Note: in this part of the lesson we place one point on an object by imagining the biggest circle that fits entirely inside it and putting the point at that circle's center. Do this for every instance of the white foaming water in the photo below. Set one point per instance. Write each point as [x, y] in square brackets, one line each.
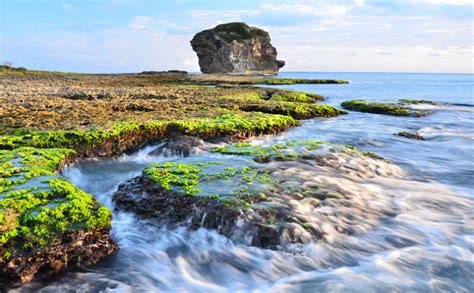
[413, 230]
[426, 245]
[408, 236]
[440, 131]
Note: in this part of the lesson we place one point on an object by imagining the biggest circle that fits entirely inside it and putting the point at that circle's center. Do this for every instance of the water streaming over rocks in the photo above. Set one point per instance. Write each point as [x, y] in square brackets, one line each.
[412, 224]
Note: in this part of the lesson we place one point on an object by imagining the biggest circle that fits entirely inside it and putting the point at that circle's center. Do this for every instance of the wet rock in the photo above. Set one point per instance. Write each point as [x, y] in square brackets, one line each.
[412, 135]
[69, 250]
[182, 146]
[236, 48]
[394, 109]
[174, 71]
[270, 204]
[46, 223]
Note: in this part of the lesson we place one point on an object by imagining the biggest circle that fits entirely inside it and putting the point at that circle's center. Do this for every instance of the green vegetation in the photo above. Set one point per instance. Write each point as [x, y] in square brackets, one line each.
[289, 81]
[416, 102]
[216, 79]
[4, 69]
[36, 205]
[299, 97]
[225, 125]
[294, 110]
[8, 70]
[239, 31]
[241, 184]
[279, 103]
[381, 108]
[290, 150]
[232, 182]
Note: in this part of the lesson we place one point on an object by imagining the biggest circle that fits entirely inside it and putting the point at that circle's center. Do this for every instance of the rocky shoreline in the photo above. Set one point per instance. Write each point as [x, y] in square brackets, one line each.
[47, 120]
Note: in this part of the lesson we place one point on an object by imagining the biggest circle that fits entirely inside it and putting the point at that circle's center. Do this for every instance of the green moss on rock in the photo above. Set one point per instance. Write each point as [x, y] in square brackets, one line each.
[411, 135]
[125, 135]
[290, 150]
[239, 31]
[382, 108]
[223, 181]
[299, 97]
[36, 204]
[416, 102]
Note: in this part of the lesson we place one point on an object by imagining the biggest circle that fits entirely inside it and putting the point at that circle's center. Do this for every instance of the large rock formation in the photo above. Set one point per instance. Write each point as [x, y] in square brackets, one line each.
[236, 48]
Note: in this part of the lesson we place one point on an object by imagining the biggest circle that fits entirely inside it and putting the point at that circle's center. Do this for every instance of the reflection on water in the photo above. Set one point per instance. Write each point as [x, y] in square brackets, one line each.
[424, 242]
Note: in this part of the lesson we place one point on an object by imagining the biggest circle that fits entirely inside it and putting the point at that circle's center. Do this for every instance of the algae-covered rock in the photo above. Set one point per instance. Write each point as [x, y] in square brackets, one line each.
[395, 109]
[411, 135]
[417, 102]
[236, 48]
[264, 196]
[46, 223]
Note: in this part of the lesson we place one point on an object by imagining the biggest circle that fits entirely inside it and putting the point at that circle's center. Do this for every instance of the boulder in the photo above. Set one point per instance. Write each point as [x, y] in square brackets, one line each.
[183, 146]
[236, 48]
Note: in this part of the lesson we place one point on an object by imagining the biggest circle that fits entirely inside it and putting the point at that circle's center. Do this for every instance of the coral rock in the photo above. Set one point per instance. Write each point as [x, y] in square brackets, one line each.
[236, 48]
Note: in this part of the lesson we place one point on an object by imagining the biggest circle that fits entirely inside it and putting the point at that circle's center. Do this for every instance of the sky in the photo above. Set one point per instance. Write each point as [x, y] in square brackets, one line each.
[339, 35]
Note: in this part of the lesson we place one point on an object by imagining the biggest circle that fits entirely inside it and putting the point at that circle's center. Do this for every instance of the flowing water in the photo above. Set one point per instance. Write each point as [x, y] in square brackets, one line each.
[427, 244]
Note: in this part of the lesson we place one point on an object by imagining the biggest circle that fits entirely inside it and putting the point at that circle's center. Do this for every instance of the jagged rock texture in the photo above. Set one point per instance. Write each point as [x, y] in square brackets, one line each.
[236, 48]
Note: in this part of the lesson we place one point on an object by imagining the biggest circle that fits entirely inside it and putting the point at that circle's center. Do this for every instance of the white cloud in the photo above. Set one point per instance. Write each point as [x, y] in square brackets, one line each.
[326, 10]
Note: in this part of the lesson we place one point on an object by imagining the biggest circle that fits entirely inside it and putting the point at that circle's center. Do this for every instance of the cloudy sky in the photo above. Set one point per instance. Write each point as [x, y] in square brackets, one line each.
[324, 35]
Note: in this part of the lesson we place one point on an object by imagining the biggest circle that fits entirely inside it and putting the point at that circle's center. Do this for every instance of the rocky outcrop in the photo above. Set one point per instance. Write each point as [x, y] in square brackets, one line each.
[46, 223]
[263, 196]
[236, 48]
[70, 250]
[182, 146]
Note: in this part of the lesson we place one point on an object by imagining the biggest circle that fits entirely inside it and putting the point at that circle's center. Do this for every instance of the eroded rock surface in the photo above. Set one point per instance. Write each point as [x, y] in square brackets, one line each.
[299, 192]
[236, 48]
[46, 223]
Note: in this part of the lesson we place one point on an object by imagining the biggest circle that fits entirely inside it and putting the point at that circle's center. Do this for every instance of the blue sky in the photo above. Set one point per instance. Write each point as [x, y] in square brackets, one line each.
[136, 35]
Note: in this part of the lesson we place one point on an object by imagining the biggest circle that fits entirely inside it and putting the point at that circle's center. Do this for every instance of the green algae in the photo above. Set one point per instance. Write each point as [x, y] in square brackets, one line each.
[290, 150]
[294, 109]
[411, 135]
[299, 97]
[297, 105]
[381, 108]
[225, 125]
[203, 179]
[416, 102]
[33, 216]
[216, 79]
